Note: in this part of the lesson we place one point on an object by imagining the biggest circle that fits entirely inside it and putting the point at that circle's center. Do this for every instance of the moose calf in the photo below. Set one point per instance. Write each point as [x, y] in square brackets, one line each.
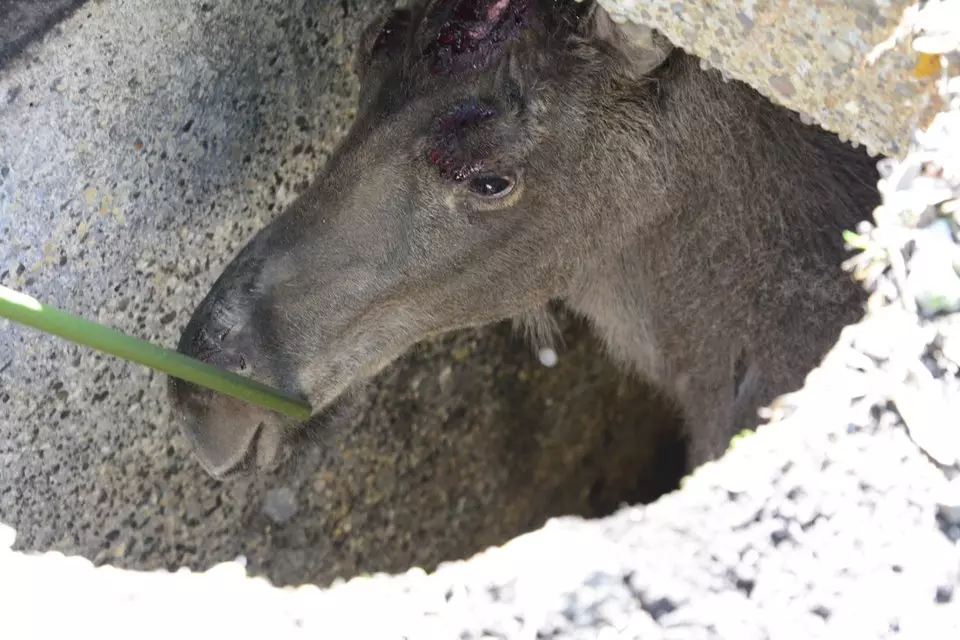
[511, 153]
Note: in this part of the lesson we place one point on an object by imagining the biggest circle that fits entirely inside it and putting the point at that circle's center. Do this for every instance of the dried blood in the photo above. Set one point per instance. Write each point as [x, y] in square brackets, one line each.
[447, 153]
[473, 33]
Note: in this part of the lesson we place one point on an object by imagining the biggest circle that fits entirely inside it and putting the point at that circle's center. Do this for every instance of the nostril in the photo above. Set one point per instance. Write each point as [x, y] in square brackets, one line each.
[222, 347]
[241, 360]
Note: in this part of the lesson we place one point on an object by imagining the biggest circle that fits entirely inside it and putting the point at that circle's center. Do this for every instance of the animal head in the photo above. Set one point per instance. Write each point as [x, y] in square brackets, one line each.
[473, 185]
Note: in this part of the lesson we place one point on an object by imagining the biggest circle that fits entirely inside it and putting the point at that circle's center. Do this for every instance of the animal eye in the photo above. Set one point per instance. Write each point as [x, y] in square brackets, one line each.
[491, 186]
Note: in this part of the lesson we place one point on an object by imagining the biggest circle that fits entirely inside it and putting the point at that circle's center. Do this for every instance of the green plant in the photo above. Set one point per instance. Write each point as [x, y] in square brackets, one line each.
[26, 310]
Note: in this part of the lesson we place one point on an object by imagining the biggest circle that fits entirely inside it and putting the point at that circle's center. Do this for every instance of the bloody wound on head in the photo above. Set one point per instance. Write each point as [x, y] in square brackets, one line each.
[472, 33]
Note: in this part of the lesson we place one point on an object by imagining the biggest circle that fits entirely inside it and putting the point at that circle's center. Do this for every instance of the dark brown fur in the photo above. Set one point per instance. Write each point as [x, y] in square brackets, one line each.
[696, 225]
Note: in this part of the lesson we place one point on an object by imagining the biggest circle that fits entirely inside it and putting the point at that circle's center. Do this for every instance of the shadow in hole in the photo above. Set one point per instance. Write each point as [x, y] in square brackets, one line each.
[465, 443]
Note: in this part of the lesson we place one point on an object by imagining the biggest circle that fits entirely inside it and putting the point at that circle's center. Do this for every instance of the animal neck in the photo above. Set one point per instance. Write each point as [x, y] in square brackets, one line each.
[704, 203]
[615, 296]
[650, 219]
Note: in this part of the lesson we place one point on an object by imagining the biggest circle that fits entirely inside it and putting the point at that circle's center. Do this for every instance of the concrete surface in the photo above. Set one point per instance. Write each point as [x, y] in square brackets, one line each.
[141, 144]
[808, 56]
[823, 526]
[837, 522]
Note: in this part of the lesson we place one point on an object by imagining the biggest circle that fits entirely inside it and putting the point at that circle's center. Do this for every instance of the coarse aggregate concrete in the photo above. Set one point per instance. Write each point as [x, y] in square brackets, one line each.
[141, 144]
[839, 520]
[817, 58]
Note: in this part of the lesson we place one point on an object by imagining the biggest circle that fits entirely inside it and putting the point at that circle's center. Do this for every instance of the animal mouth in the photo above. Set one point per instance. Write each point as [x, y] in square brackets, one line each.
[248, 463]
[269, 445]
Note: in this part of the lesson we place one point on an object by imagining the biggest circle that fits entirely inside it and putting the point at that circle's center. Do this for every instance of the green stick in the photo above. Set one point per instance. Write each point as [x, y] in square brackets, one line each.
[25, 310]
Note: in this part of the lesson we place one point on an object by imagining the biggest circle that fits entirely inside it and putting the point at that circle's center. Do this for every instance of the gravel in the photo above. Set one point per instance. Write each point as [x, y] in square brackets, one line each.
[280, 504]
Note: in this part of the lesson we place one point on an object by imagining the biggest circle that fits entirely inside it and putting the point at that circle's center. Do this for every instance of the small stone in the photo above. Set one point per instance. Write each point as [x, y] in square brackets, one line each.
[933, 278]
[444, 376]
[280, 505]
[547, 357]
[321, 482]
[229, 570]
[840, 50]
[924, 410]
[950, 348]
[783, 85]
[948, 502]
[944, 593]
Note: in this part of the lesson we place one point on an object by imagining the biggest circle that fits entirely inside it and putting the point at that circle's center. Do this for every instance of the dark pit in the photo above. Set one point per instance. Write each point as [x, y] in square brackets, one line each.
[465, 443]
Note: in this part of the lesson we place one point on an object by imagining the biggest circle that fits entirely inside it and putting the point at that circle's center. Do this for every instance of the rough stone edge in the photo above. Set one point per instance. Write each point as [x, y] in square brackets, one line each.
[224, 599]
[821, 59]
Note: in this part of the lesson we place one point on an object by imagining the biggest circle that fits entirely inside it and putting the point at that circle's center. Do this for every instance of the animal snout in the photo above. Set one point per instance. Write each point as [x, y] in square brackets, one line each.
[226, 435]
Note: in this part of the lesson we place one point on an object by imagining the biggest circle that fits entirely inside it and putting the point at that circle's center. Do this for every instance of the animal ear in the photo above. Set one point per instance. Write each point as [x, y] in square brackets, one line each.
[382, 36]
[646, 47]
